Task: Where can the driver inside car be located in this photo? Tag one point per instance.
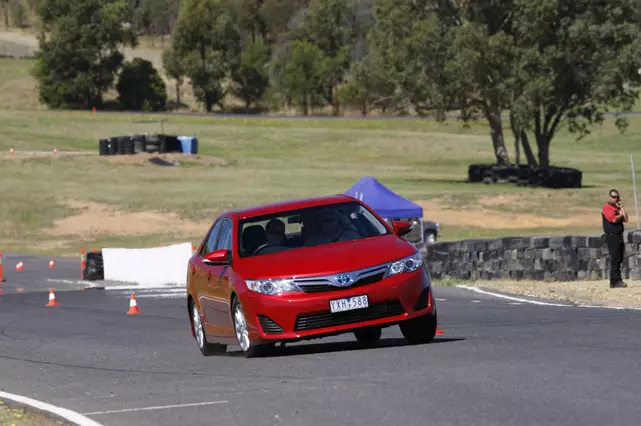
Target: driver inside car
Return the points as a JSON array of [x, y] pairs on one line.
[[333, 227], [276, 232]]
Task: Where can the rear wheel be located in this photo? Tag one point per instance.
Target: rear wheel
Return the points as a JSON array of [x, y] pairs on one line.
[[420, 330], [368, 336], [249, 349], [205, 347]]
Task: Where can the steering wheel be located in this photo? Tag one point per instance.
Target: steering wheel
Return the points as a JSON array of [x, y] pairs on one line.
[[262, 247]]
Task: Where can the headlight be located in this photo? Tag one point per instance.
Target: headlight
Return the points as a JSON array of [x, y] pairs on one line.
[[272, 287], [409, 264]]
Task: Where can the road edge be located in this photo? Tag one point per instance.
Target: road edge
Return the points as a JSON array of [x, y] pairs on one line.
[[521, 299], [49, 410]]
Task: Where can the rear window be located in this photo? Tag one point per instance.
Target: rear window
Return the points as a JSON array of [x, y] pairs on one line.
[[308, 227]]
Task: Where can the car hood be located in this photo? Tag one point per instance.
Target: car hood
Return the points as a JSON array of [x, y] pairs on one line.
[[326, 259]]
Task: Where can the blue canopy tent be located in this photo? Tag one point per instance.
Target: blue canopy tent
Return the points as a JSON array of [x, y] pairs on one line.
[[384, 201]]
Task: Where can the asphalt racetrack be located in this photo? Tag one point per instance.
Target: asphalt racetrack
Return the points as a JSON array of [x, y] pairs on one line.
[[499, 362]]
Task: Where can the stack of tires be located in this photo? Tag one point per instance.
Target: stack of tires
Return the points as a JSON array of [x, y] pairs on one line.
[[524, 175], [136, 144]]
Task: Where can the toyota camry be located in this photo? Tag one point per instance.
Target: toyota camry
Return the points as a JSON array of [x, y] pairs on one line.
[[306, 269]]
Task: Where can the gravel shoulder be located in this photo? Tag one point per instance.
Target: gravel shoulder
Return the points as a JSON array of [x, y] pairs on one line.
[[597, 293]]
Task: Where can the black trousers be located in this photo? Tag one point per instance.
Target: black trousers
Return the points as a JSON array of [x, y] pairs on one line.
[[616, 247]]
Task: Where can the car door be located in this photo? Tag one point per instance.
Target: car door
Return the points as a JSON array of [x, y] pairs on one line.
[[224, 282], [202, 277], [215, 273]]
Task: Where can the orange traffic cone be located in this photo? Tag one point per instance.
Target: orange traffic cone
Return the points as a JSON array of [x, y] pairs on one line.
[[133, 306], [52, 299], [19, 266], [52, 264]]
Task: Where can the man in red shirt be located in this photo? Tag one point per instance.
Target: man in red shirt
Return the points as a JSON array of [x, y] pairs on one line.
[[613, 216]]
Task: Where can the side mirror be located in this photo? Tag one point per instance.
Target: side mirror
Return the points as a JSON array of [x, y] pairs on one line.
[[217, 257], [402, 227]]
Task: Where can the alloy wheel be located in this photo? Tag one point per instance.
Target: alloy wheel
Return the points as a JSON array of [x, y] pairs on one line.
[[198, 328], [240, 325]]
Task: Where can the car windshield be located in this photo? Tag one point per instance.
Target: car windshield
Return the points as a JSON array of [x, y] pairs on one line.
[[307, 227]]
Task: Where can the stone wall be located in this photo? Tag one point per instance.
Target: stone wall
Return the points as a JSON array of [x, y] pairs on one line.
[[563, 258]]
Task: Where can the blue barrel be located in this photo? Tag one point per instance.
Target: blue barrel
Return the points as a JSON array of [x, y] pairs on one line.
[[189, 144]]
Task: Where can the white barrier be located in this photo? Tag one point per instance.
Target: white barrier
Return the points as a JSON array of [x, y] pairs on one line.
[[149, 267]]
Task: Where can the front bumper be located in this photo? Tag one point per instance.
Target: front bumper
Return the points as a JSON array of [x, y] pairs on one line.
[[299, 316]]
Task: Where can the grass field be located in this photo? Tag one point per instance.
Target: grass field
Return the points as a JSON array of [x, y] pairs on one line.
[[77, 199]]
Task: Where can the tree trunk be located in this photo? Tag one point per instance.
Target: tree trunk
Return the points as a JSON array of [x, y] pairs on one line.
[[531, 160], [517, 139], [496, 131], [544, 151], [305, 110], [178, 93], [5, 12], [208, 102], [335, 101]]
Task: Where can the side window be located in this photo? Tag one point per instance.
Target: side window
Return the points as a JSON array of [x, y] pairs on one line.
[[225, 236], [211, 239]]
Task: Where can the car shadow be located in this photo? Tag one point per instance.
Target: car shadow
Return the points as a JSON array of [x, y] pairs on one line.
[[321, 348]]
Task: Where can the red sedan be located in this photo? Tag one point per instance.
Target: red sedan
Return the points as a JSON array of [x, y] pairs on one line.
[[306, 269]]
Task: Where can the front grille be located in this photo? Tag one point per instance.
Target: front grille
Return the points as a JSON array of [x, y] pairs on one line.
[[268, 325], [317, 288], [330, 282], [327, 319]]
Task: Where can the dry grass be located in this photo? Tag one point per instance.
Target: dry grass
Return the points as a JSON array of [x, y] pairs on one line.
[[20, 417], [593, 293]]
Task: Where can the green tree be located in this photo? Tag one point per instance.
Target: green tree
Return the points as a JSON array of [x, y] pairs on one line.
[[140, 87], [305, 74], [368, 87], [157, 17], [329, 25], [579, 59], [250, 75], [79, 53], [206, 37], [175, 68]]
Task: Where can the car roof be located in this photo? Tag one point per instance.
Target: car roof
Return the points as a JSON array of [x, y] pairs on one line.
[[283, 206]]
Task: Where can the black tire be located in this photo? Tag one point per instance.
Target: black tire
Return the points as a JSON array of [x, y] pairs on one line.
[[248, 349], [369, 336], [206, 348], [103, 147], [421, 329]]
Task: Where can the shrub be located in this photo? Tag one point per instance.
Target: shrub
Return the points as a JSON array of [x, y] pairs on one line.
[[140, 87]]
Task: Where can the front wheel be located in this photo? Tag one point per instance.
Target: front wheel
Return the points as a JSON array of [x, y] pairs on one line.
[[205, 347], [242, 333], [421, 329]]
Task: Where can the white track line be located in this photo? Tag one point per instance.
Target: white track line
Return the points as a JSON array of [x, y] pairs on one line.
[[72, 416], [537, 302], [516, 299], [156, 408]]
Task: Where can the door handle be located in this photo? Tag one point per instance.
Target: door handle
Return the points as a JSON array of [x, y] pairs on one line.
[[193, 270]]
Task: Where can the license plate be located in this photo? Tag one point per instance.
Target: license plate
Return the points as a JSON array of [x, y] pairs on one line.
[[349, 303]]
